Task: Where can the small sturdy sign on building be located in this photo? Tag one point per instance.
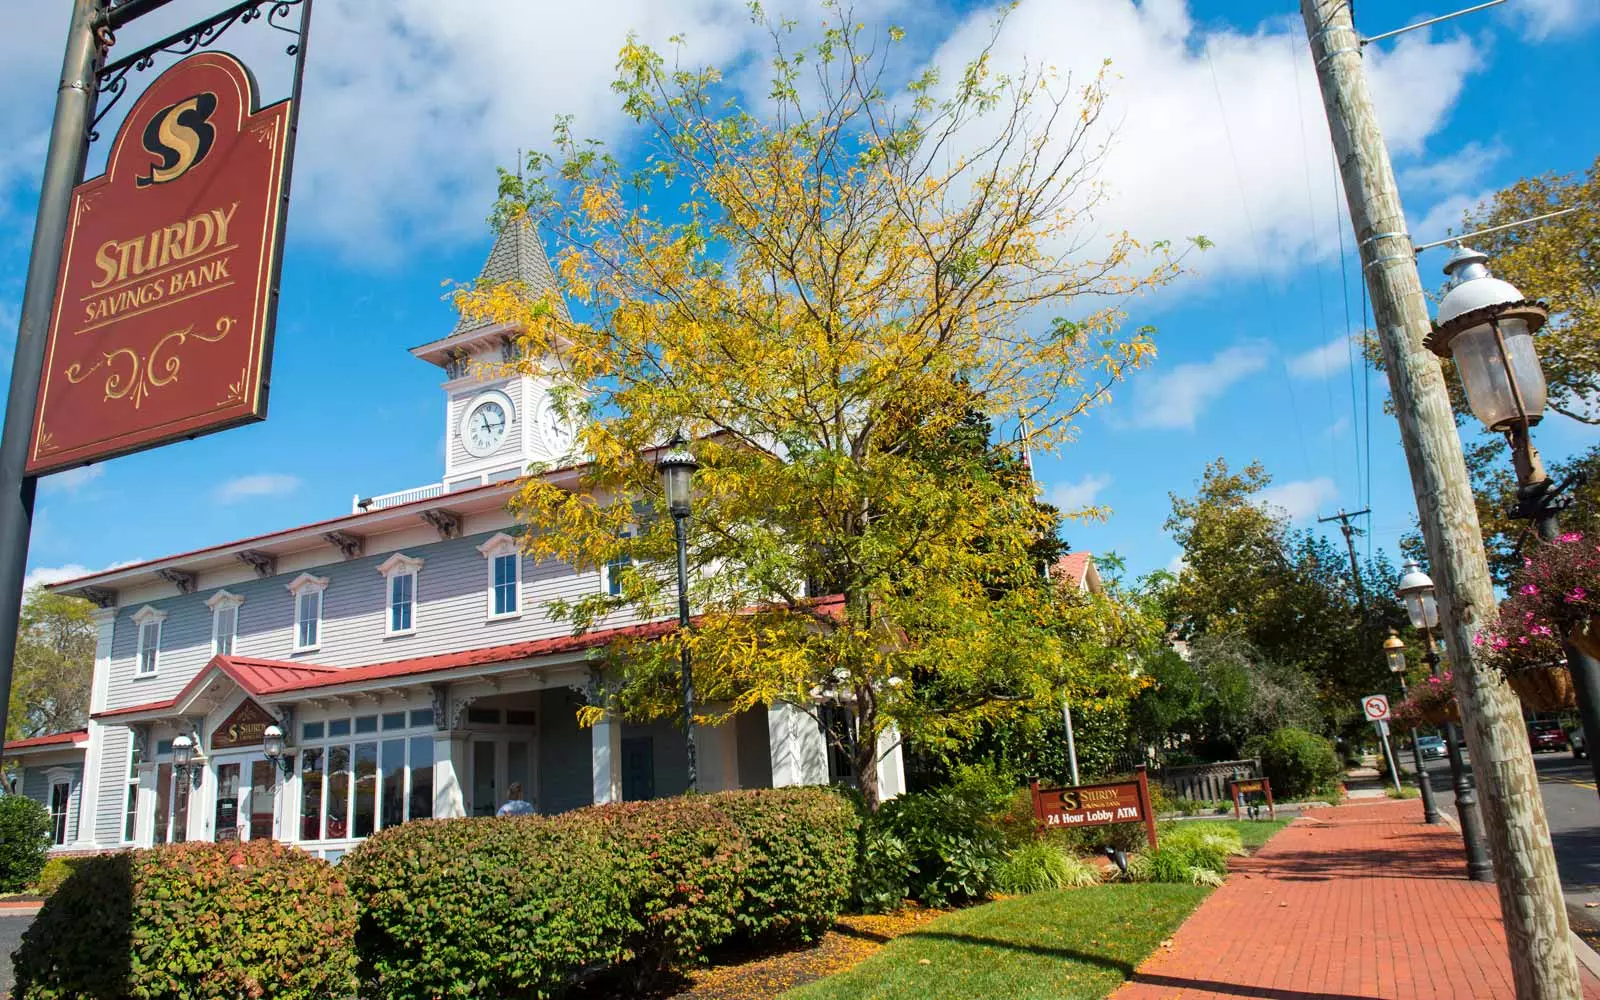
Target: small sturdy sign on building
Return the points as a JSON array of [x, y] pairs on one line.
[[1096, 805]]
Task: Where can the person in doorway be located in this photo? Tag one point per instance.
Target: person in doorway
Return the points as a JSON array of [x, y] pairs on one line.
[[516, 805]]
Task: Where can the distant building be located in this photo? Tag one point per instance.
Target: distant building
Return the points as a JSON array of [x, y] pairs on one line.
[[403, 649]]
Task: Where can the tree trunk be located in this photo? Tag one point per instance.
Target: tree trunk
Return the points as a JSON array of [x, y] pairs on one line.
[[864, 745]]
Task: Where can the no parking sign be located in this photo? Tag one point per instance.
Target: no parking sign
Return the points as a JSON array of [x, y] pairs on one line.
[[1376, 707]]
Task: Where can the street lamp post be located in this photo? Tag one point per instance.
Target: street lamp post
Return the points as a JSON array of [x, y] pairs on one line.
[[1416, 592], [1487, 326], [1395, 652], [677, 482]]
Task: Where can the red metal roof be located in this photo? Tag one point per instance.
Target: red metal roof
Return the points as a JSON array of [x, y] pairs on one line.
[[49, 739], [1073, 565], [265, 677]]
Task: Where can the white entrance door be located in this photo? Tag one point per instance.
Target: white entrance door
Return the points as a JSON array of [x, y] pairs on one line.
[[498, 762], [246, 799]]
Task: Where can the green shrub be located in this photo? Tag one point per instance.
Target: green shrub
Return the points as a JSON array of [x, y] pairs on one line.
[[193, 922], [800, 864], [24, 841], [56, 871], [952, 840], [1298, 763], [1217, 838], [487, 906], [884, 870], [528, 907], [1178, 864], [1040, 866]]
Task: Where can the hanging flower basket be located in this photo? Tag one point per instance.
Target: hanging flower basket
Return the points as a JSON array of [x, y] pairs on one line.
[[1431, 703], [1544, 689], [1440, 713]]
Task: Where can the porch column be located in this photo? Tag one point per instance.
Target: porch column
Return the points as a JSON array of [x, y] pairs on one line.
[[449, 760], [891, 764], [718, 749], [90, 799], [799, 751], [606, 752]]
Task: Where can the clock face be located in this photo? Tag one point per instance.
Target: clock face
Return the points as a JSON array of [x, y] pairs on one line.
[[557, 437], [485, 425]]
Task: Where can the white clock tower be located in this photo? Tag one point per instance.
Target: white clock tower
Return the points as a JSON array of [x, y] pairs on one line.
[[497, 422]]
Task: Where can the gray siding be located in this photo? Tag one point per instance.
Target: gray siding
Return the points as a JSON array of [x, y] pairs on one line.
[[566, 765], [754, 749], [114, 745], [36, 784], [670, 753], [452, 592]]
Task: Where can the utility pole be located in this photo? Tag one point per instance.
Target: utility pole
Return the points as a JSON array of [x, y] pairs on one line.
[[1350, 544], [63, 170], [1536, 926]]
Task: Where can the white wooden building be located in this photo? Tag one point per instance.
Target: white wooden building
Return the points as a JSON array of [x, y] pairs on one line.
[[403, 648]]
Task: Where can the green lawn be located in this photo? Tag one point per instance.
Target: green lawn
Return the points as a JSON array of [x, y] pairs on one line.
[[1254, 833], [1071, 945]]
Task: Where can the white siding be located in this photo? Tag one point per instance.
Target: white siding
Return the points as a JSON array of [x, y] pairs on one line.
[[452, 606]]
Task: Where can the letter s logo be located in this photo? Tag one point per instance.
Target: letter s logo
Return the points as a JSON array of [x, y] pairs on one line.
[[179, 137], [1069, 800]]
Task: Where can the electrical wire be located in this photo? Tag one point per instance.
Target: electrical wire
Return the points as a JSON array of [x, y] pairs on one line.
[[1255, 248]]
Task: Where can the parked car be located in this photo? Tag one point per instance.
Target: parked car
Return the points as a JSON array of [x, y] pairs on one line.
[[1546, 736], [1580, 743], [1432, 747]]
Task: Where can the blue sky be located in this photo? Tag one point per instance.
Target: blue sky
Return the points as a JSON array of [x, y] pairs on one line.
[[1219, 130]]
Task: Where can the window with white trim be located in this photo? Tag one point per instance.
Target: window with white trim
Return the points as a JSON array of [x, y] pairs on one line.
[[504, 555], [307, 591], [400, 585], [60, 800], [611, 572], [130, 819], [148, 621], [224, 621]]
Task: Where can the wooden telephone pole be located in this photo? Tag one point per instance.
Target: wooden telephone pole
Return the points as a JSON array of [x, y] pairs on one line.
[[1519, 836]]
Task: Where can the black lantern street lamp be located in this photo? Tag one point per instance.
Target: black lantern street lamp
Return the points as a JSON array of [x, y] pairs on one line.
[[1487, 326], [183, 760], [272, 748], [1422, 607], [677, 482], [1394, 652]]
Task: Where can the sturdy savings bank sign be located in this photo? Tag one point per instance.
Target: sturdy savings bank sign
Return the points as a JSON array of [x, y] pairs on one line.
[[163, 317]]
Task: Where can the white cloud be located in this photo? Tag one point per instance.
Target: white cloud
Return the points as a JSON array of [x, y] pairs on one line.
[[71, 571], [1320, 362], [72, 480], [1176, 398], [1069, 497], [1452, 172], [1541, 19], [1176, 564], [1301, 498], [1338, 429], [1219, 131], [266, 484], [1444, 218]]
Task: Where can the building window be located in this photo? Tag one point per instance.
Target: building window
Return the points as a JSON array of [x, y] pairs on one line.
[[130, 819], [148, 621], [611, 573], [172, 806], [224, 621], [60, 799], [353, 788], [504, 555], [307, 591], [400, 573]]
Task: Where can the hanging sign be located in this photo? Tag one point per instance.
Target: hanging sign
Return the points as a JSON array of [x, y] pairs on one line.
[[1096, 805], [164, 313]]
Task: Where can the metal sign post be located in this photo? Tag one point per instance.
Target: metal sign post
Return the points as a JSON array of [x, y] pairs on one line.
[[1376, 708]]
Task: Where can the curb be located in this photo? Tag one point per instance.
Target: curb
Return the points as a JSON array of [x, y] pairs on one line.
[[1585, 955]]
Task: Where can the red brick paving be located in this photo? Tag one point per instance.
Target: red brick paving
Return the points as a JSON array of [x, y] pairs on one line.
[[1360, 902]]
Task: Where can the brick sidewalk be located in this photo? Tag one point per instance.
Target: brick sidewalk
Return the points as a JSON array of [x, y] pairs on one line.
[[1361, 902]]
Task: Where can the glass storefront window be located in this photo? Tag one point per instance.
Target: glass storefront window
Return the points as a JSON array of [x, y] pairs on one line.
[[163, 802], [421, 777], [311, 794], [338, 792], [227, 815], [394, 782], [366, 810]]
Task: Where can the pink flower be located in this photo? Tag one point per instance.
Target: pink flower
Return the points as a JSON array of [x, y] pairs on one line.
[[1578, 594], [1541, 630], [1572, 536], [1528, 590], [1477, 640]]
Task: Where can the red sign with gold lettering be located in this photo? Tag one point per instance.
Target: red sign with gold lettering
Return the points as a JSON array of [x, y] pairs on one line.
[[163, 318]]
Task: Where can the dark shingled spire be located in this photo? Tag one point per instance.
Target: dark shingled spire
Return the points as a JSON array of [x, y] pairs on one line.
[[517, 256]]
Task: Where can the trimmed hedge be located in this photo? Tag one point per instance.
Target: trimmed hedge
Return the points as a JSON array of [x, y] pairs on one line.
[[24, 841], [527, 907], [193, 922], [1298, 763]]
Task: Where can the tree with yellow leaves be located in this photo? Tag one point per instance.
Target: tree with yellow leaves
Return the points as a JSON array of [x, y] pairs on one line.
[[837, 293]]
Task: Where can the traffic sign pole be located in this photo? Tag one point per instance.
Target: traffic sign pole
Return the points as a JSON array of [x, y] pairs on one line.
[[1394, 772]]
